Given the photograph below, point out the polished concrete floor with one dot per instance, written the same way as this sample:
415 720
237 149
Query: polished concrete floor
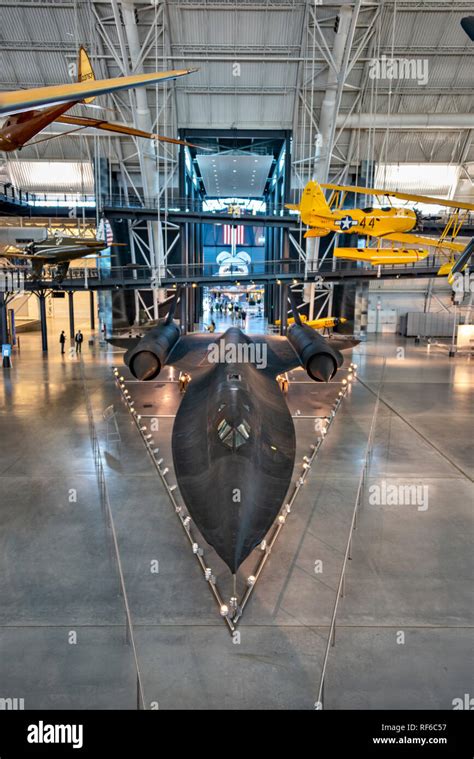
404 626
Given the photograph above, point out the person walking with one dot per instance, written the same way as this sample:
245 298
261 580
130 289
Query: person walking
78 340
62 341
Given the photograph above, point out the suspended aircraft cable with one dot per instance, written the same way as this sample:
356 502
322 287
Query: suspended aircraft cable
54 136
97 177
161 231
83 144
109 164
301 154
313 147
389 102
76 28
373 101
306 147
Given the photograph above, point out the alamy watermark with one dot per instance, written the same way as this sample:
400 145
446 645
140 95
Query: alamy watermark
222 352
42 732
12 704
384 494
466 702
12 282
399 68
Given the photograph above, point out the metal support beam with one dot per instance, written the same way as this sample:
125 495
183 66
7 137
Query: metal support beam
44 324
335 81
92 309
283 309
183 311
72 330
3 319
142 118
405 121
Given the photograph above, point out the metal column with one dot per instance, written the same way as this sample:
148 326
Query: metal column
283 309
3 319
143 120
92 309
329 110
71 314
182 311
44 326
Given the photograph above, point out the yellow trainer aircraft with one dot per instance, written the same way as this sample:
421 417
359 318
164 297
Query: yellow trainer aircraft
386 223
28 112
328 322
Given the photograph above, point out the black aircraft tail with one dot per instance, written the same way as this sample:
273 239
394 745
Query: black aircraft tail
463 260
171 312
126 343
294 309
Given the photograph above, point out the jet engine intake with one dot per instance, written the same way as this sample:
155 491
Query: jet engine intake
146 359
319 359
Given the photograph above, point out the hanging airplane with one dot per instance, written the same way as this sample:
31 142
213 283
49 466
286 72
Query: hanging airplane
233 439
395 225
27 112
57 252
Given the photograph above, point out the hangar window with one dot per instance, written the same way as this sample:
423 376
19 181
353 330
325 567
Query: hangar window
233 377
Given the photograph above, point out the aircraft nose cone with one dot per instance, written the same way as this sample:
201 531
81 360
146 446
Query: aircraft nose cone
145 365
321 367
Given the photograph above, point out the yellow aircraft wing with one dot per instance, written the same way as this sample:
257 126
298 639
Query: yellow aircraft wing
402 196
410 239
38 97
326 322
381 256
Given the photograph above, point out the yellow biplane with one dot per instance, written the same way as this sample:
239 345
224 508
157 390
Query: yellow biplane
391 224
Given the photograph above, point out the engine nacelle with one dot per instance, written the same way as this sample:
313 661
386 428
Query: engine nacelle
319 359
146 359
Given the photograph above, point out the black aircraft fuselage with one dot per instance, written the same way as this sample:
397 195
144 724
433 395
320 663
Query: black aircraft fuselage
233 438
233 452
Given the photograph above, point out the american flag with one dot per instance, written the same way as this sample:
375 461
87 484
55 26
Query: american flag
104 231
238 235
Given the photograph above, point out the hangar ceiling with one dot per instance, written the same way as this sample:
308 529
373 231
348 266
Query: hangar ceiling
263 64
232 175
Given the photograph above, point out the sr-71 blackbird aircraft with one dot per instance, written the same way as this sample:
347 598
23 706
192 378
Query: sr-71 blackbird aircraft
27 114
233 439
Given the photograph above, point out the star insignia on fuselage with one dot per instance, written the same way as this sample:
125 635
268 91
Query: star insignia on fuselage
346 222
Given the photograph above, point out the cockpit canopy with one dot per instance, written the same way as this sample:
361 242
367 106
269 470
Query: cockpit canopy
233 436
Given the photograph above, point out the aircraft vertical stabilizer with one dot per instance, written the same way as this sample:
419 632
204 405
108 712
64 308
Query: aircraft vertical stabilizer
85 72
313 202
